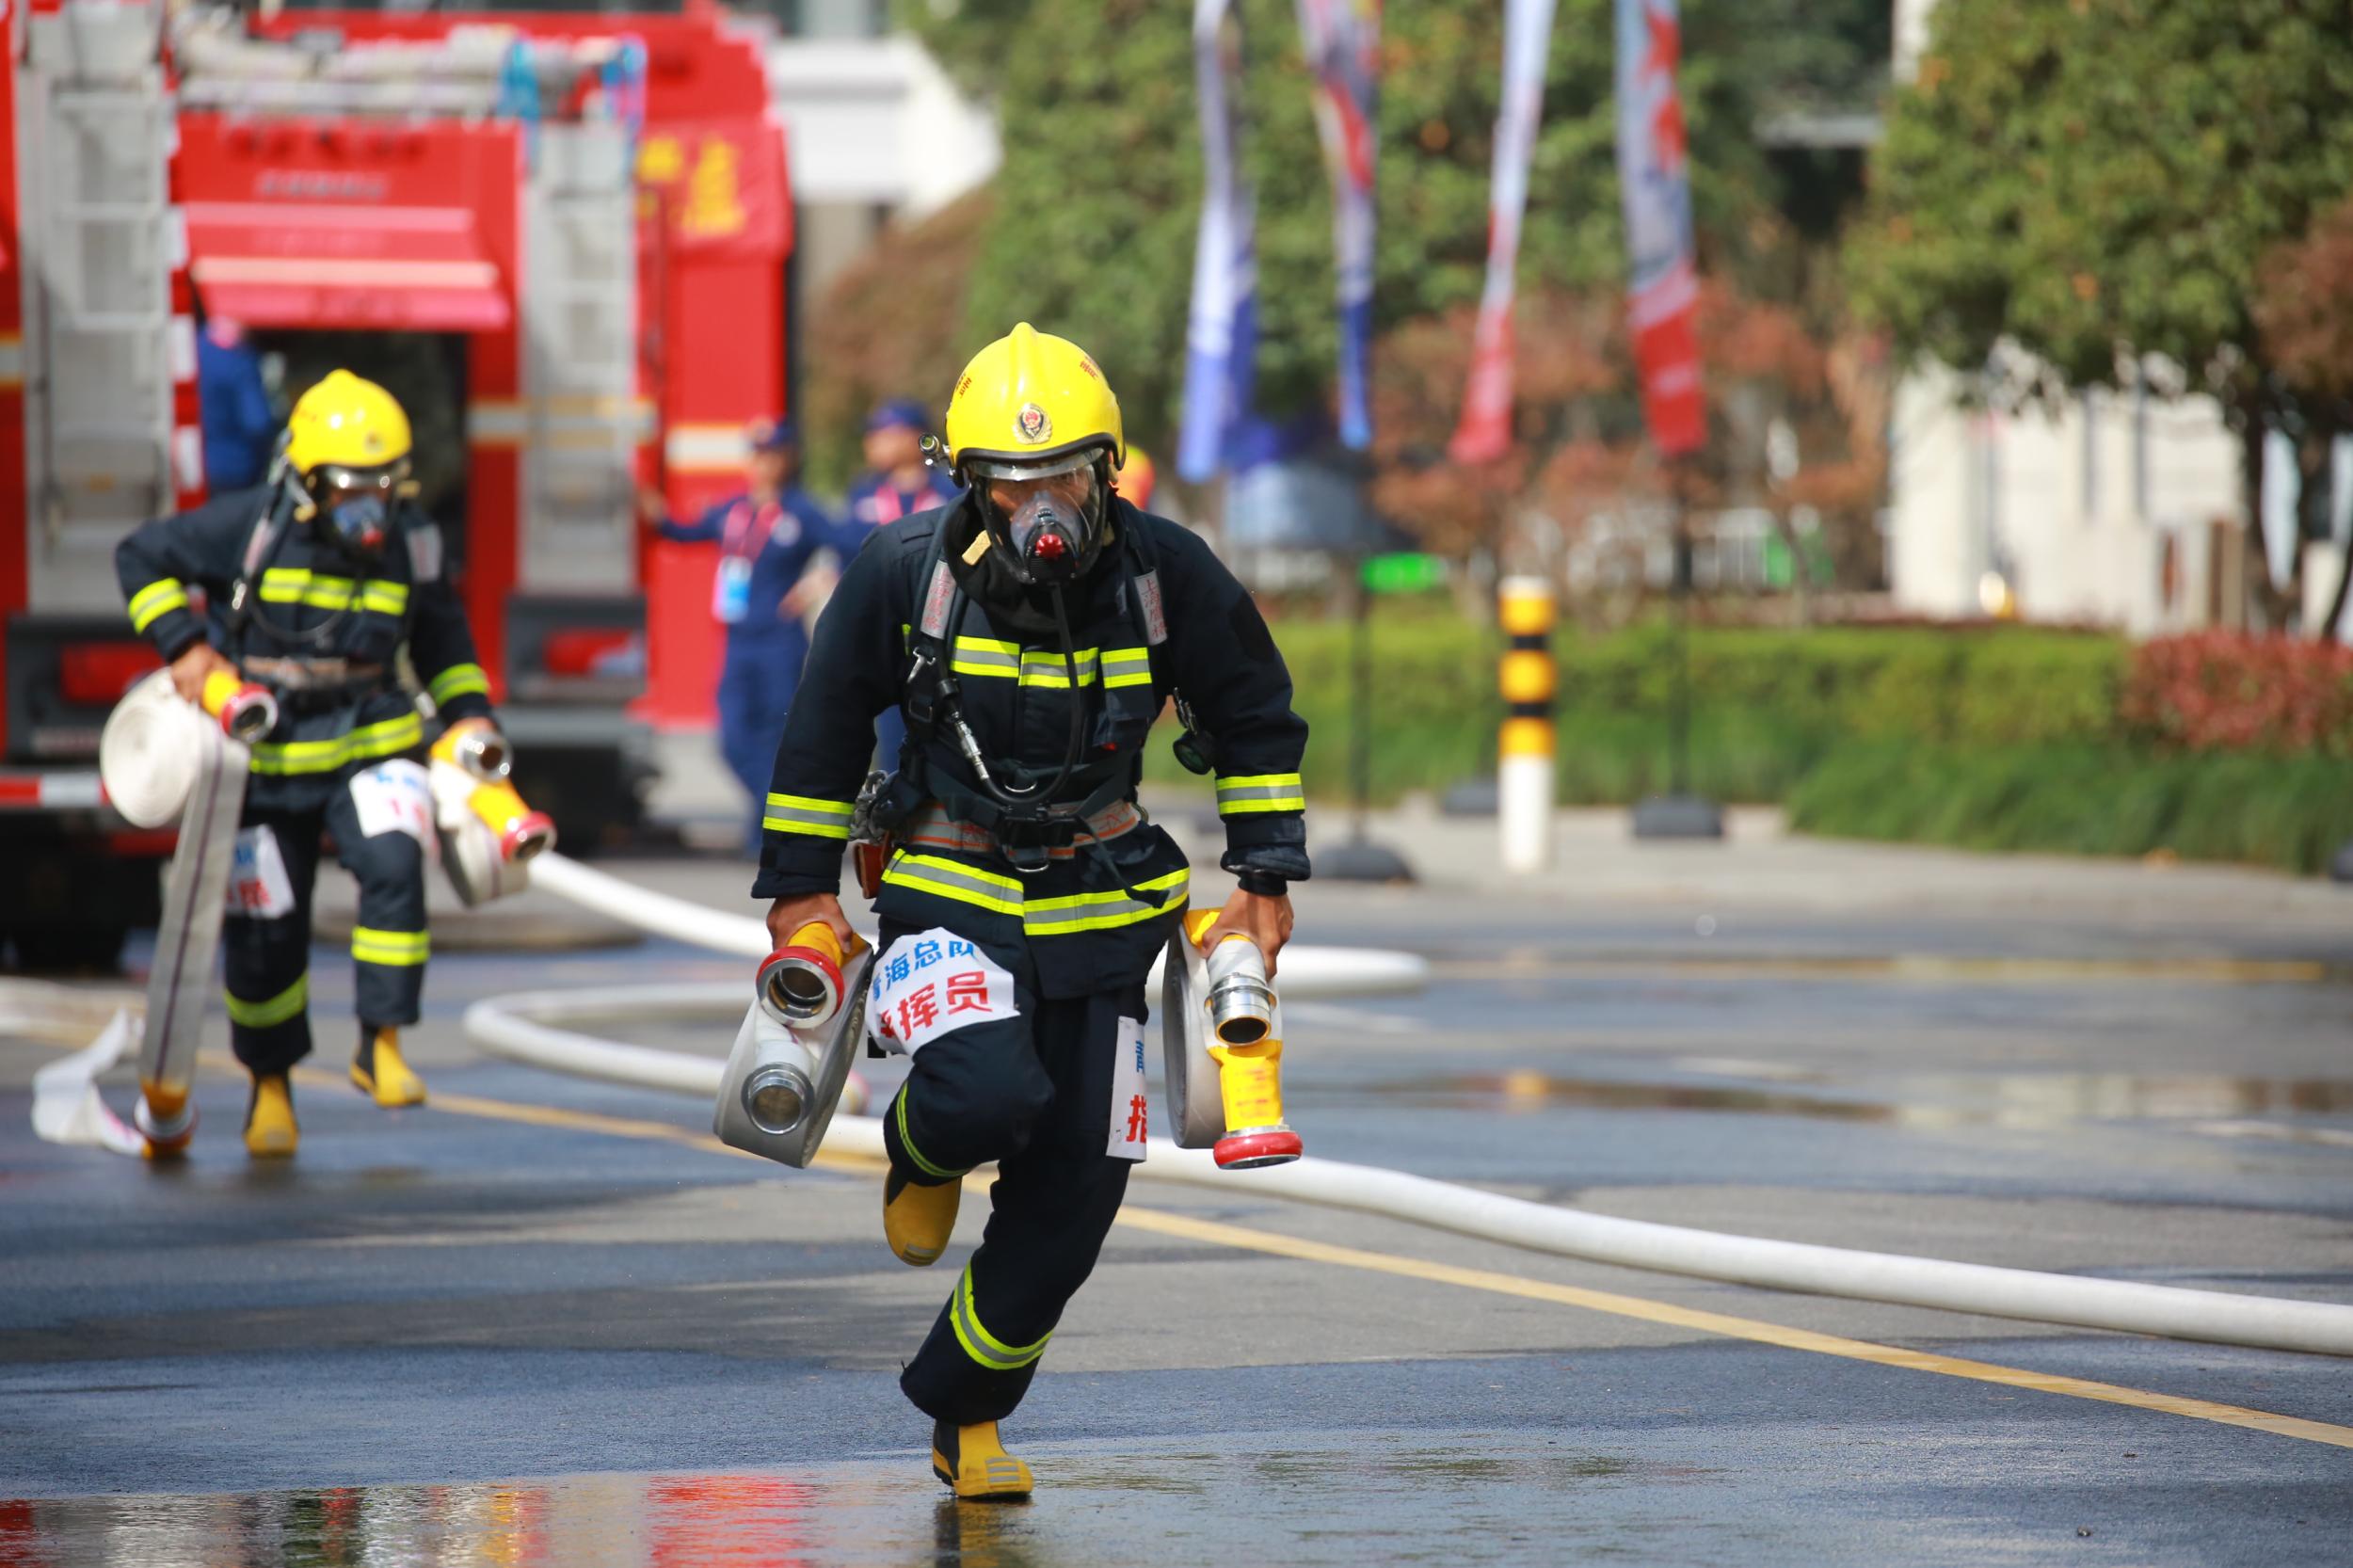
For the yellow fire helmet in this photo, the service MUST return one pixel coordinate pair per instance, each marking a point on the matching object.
(1031, 397)
(347, 423)
(348, 440)
(1034, 433)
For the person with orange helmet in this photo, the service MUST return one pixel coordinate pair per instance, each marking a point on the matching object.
(1030, 632)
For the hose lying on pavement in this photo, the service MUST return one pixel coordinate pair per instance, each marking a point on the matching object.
(521, 1028)
(1307, 971)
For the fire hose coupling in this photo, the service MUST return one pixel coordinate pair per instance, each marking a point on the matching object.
(479, 763)
(790, 1061)
(1248, 1046)
(800, 984)
(246, 712)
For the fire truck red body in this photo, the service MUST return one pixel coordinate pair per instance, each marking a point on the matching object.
(625, 197)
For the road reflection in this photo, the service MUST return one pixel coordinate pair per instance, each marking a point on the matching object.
(714, 1521)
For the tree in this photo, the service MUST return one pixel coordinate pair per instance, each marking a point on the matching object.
(2097, 182)
(2304, 310)
(1092, 229)
(891, 325)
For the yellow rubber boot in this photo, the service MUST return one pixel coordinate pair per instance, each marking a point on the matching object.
(380, 1071)
(269, 1121)
(974, 1463)
(918, 1221)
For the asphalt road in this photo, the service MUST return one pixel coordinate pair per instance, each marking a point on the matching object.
(480, 1333)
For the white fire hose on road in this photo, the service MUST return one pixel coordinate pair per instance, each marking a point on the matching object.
(522, 1028)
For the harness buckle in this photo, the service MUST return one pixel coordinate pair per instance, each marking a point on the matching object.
(918, 696)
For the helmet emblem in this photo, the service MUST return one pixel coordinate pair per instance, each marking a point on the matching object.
(1032, 424)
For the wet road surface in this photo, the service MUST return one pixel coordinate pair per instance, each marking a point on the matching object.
(474, 1334)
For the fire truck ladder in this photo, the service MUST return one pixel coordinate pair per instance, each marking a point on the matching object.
(580, 311)
(104, 349)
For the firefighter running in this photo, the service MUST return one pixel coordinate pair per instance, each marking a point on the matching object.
(312, 581)
(1031, 631)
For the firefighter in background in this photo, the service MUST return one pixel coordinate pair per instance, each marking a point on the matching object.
(1032, 632)
(768, 533)
(313, 581)
(897, 484)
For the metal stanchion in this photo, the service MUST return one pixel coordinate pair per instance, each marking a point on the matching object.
(1361, 858)
(1681, 812)
(1524, 751)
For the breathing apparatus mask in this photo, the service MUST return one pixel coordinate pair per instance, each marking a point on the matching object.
(355, 506)
(1046, 521)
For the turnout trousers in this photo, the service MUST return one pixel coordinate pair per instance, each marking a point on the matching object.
(266, 939)
(1029, 1087)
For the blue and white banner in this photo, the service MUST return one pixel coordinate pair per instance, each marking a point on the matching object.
(1485, 431)
(1221, 332)
(1342, 42)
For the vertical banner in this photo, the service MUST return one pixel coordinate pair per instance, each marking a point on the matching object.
(1342, 42)
(1485, 431)
(1221, 332)
(1654, 181)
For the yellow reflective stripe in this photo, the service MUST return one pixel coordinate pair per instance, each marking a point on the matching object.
(985, 656)
(981, 1345)
(818, 819)
(300, 586)
(370, 741)
(1041, 669)
(1045, 667)
(402, 949)
(929, 873)
(157, 599)
(1127, 666)
(385, 599)
(458, 681)
(1263, 792)
(1058, 917)
(276, 1010)
(899, 1110)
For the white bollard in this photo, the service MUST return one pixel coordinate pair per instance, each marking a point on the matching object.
(1523, 752)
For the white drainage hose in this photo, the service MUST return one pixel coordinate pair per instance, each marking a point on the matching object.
(518, 1027)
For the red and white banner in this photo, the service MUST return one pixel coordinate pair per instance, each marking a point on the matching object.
(1485, 431)
(1654, 182)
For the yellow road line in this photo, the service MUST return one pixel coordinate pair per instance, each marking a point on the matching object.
(1910, 969)
(1241, 1238)
(1215, 1232)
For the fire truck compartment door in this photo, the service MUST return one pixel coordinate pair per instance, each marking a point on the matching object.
(317, 265)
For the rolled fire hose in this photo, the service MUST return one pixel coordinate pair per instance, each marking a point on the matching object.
(523, 1027)
(164, 759)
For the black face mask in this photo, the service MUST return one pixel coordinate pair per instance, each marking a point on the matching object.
(1011, 604)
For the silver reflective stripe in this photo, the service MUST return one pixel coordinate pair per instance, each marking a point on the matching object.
(929, 873)
(1103, 911)
(1039, 668)
(1127, 666)
(821, 819)
(1271, 791)
(981, 1345)
(979, 656)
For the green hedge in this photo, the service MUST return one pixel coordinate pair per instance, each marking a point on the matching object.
(2286, 811)
(1767, 704)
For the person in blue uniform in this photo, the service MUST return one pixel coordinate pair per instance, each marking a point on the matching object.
(897, 484)
(1031, 632)
(240, 427)
(767, 533)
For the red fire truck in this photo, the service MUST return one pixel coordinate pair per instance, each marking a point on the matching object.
(559, 237)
